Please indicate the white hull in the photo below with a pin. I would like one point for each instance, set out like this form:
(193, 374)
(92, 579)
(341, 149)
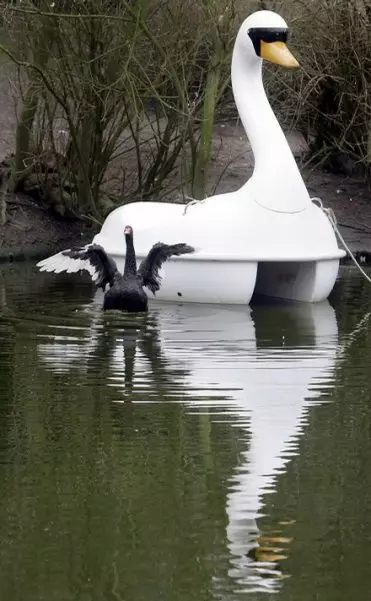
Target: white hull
(241, 248)
(234, 282)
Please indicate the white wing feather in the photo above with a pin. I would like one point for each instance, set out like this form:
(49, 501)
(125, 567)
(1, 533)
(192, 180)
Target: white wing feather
(60, 262)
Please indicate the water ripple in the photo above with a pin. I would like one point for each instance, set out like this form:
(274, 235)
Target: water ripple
(258, 371)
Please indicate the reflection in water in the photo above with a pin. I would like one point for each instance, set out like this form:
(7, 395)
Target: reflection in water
(218, 360)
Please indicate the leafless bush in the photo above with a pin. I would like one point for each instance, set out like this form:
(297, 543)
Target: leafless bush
(115, 90)
(328, 99)
(118, 98)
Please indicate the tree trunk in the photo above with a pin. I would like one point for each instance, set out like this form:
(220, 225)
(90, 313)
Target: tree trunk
(212, 90)
(3, 197)
(40, 56)
(204, 151)
(23, 137)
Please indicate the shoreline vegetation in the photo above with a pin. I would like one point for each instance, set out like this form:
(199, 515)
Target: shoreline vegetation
(106, 102)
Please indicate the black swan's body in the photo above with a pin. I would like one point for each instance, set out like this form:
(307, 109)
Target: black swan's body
(125, 291)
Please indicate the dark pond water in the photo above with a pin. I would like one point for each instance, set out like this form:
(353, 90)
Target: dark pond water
(197, 453)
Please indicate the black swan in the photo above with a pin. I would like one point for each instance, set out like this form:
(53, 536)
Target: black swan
(125, 292)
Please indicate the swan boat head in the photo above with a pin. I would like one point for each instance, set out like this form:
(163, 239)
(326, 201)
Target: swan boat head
(263, 35)
(276, 183)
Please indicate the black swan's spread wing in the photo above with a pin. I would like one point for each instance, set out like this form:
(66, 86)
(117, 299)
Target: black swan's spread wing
(91, 258)
(159, 253)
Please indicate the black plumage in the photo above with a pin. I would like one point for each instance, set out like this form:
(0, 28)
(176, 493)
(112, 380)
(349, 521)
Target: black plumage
(125, 292)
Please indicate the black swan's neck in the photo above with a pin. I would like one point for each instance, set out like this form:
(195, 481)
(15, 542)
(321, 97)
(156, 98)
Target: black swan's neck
(130, 259)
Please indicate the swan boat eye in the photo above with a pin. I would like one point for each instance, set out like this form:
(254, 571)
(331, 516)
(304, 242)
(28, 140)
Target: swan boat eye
(267, 35)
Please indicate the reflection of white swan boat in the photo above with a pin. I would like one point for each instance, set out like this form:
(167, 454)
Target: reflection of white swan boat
(269, 390)
(229, 367)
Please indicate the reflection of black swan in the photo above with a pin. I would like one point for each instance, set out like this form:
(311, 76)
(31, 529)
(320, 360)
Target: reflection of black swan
(125, 292)
(139, 340)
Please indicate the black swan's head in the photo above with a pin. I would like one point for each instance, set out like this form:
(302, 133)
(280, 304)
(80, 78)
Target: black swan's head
(129, 238)
(128, 233)
(130, 259)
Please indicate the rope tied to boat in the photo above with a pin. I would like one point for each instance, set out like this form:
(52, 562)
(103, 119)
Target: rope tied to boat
(193, 201)
(327, 211)
(332, 219)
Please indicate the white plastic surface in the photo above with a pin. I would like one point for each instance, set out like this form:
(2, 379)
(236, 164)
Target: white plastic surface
(269, 219)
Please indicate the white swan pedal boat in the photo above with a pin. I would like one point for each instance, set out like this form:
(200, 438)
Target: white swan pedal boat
(268, 237)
